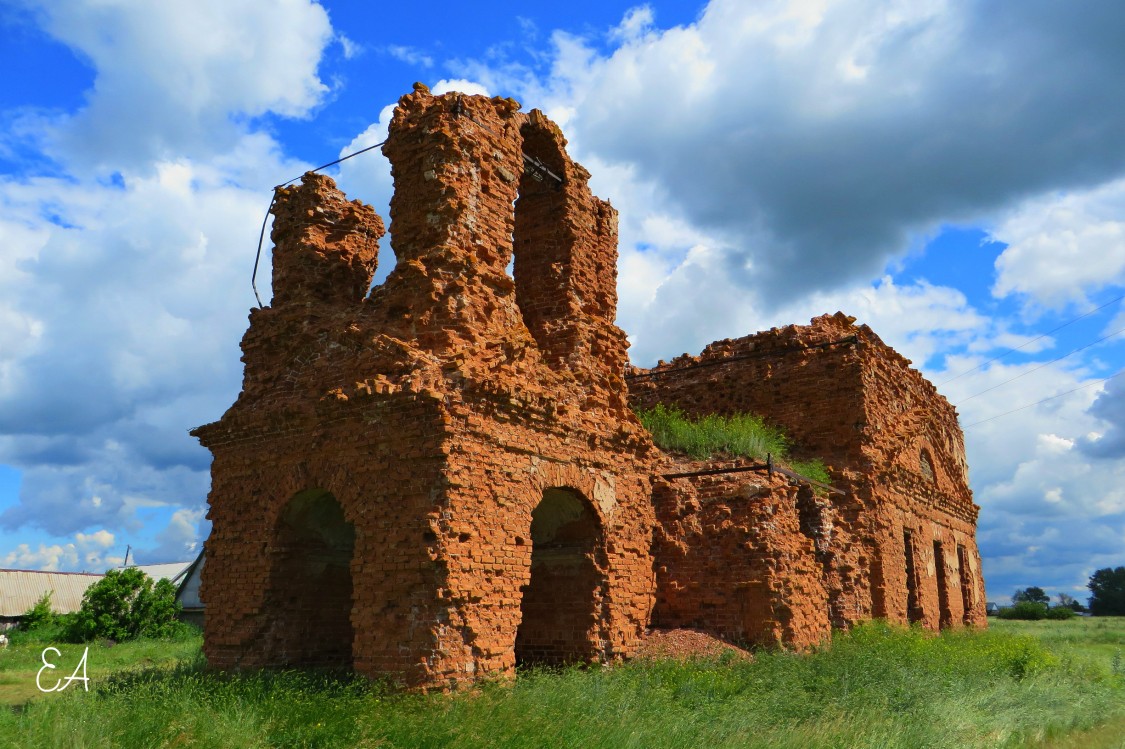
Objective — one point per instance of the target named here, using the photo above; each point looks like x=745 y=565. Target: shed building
x=22 y=589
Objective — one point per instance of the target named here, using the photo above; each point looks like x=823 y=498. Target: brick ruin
x=896 y=540
x=443 y=476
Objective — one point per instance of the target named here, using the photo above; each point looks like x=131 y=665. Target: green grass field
x=1021 y=684
x=20 y=663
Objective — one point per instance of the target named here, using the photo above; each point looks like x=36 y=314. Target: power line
x=1036 y=369
x=330 y=163
x=273 y=199
x=1033 y=340
x=1050 y=398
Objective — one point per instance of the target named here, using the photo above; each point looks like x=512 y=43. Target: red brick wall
x=733 y=557
x=435 y=418
x=440 y=411
x=845 y=397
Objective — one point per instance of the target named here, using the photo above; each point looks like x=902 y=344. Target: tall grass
x=1100 y=639
x=20 y=662
x=744 y=435
x=876 y=686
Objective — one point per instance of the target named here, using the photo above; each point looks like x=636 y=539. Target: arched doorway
x=310 y=601
x=559 y=610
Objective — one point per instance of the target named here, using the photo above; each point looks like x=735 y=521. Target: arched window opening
x=311 y=584
x=559 y=608
x=542 y=243
x=927 y=462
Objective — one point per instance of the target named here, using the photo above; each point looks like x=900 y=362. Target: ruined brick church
x=443 y=476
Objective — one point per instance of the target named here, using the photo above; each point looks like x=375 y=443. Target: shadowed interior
x=559 y=606
x=311 y=583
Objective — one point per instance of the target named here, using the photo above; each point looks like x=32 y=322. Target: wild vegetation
x=1022 y=684
x=1034 y=610
x=124 y=605
x=1107 y=589
x=742 y=435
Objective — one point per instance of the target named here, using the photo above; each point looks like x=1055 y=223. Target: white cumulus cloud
x=178 y=78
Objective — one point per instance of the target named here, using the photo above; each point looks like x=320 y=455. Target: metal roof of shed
x=22 y=589
x=169 y=570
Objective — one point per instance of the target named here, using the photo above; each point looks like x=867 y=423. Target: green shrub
x=40 y=624
x=125 y=604
x=743 y=434
x=1030 y=610
x=1061 y=613
x=40 y=615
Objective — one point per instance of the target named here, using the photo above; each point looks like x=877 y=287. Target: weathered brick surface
x=443 y=477
x=441 y=418
x=735 y=557
x=846 y=397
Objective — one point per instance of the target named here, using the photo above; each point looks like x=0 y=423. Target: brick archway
x=310 y=584
x=560 y=604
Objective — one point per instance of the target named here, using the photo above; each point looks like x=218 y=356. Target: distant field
x=1022 y=684
x=1099 y=638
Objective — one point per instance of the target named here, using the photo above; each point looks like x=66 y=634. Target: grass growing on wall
x=744 y=435
x=876 y=686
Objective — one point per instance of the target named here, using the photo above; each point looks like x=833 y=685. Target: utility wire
x=1050 y=398
x=1033 y=340
x=1036 y=369
x=273 y=199
x=331 y=163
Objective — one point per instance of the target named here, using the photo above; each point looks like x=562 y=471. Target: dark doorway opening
x=310 y=600
x=913 y=603
x=945 y=615
x=560 y=605
x=966 y=584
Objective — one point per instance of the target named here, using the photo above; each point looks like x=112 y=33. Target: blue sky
x=951 y=173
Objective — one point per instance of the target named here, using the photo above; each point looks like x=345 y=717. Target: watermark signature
x=59 y=686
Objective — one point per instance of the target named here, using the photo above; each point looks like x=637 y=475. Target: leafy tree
x=1069 y=602
x=125 y=604
x=1032 y=594
x=1108 y=588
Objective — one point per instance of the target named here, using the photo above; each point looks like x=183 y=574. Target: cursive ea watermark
x=59 y=685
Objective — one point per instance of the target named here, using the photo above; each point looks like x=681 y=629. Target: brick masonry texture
x=900 y=543
x=443 y=476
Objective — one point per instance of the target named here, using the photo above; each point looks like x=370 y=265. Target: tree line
x=1107 y=589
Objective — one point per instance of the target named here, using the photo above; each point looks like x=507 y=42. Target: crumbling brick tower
x=897 y=541
x=441 y=478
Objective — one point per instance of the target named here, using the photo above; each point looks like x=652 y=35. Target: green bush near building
x=124 y=605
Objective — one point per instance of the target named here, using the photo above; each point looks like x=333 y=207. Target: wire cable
x=331 y=163
x=273 y=199
x=1050 y=398
x=1033 y=340
x=1036 y=369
